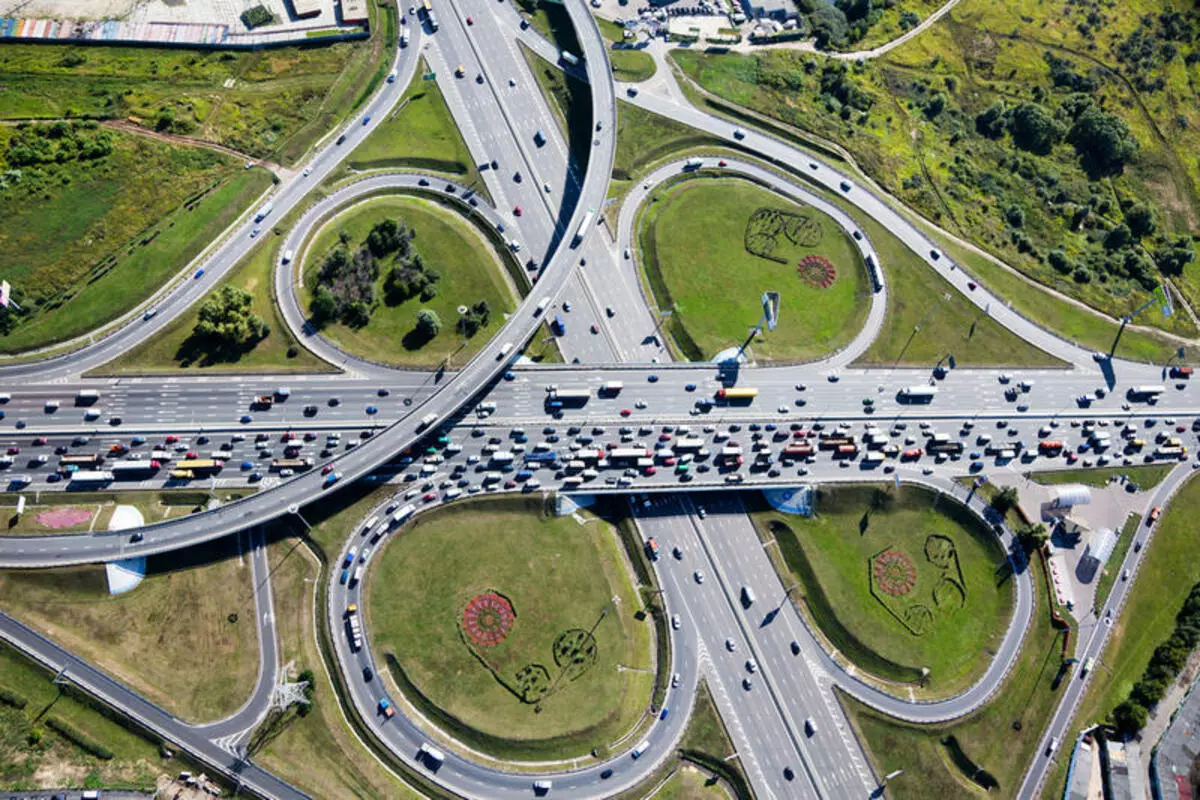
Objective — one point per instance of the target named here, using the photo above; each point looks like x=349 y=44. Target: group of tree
x=1165 y=664
x=57 y=143
x=228 y=323
x=410 y=277
x=1102 y=141
x=833 y=24
x=474 y=318
x=345 y=288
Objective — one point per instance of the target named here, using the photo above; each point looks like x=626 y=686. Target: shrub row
x=11 y=698
x=78 y=738
x=1168 y=659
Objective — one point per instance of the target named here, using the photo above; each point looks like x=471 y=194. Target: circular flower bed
x=817 y=271
x=894 y=573
x=487 y=619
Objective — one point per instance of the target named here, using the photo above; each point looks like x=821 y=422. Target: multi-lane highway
x=489 y=426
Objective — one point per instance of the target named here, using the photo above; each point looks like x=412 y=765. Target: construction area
x=183 y=23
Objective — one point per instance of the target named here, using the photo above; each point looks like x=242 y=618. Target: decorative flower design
x=817 y=271
x=487 y=619
x=895 y=573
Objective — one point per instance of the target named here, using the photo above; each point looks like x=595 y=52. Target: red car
x=328 y=468
x=470 y=20
x=1154 y=515
x=517 y=210
x=12 y=451
x=669 y=462
x=171 y=439
x=722 y=163
x=429 y=496
x=308 y=437
x=625 y=412
x=191 y=454
x=39 y=440
x=650 y=470
x=287 y=437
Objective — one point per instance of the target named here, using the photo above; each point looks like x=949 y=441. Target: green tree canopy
x=228 y=318
x=429 y=324
x=1033 y=128
x=1103 y=142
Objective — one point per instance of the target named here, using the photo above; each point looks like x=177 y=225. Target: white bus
x=1147 y=391
x=918 y=394
x=611 y=387
x=583 y=226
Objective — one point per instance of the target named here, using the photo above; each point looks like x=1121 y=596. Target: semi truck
x=291 y=463
x=200 y=465
x=587 y=219
x=134 y=469
x=743 y=395
x=568 y=397
x=264 y=211
x=86 y=476
x=611 y=388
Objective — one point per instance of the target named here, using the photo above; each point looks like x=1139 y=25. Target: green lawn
x=559 y=577
x=1168 y=572
x=163 y=637
x=470 y=268
x=631 y=65
x=955 y=611
x=1000 y=738
x=23 y=765
x=88 y=240
x=1147 y=476
x=692 y=244
x=99 y=506
x=176 y=350
x=689 y=783
x=644 y=137
x=269 y=103
x=420 y=133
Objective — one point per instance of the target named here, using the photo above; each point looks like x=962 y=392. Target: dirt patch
x=68 y=517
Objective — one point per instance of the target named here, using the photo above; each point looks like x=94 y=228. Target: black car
x=606 y=774
x=367 y=674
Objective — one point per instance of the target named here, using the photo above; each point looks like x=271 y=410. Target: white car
x=675 y=621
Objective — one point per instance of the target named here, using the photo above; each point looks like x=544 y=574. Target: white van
x=505 y=349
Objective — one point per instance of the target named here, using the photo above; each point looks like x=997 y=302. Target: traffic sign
x=770 y=304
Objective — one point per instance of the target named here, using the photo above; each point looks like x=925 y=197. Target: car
x=328 y=468
x=1153 y=516
x=372 y=409
x=730 y=645
x=517 y=210
x=340 y=139
x=722 y=163
x=834 y=377
x=625 y=412
x=470 y=20
x=12 y=451
x=199 y=274
x=246 y=419
x=368 y=673
x=137 y=537
x=676 y=621
x=698 y=575
x=334 y=402
x=53 y=477
x=257 y=230
x=606 y=774
x=788 y=774
x=366 y=119
x=595 y=329
x=608 y=312
x=747 y=684
x=675 y=681
x=810 y=727
x=795 y=648
x=332 y=478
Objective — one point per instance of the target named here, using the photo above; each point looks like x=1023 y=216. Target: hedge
x=77 y=737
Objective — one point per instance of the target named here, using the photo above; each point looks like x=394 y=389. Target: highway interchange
x=499 y=108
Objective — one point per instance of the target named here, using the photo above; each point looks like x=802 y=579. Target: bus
x=737 y=395
x=611 y=388
x=402 y=514
x=917 y=394
x=85 y=396
x=689 y=443
x=200 y=465
x=1146 y=391
x=587 y=218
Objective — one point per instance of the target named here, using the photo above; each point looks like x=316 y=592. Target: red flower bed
x=817 y=271
x=895 y=573
x=487 y=619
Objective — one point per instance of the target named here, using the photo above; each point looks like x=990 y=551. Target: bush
x=256 y=17
x=78 y=738
x=11 y=698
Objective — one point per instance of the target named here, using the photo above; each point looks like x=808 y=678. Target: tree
x=1033 y=128
x=429 y=324
x=1033 y=537
x=1129 y=717
x=1140 y=219
x=227 y=318
x=1172 y=258
x=1060 y=261
x=990 y=123
x=1103 y=142
x=1006 y=499
x=828 y=25
x=1118 y=237
x=323 y=307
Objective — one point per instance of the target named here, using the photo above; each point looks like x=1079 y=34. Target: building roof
x=771 y=6
x=1102 y=545
x=308 y=8
x=354 y=10
x=1072 y=494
